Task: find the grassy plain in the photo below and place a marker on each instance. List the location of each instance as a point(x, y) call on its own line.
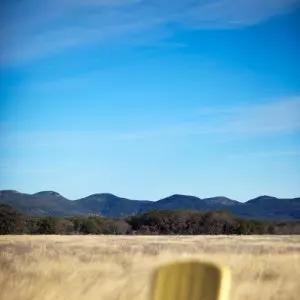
point(119, 267)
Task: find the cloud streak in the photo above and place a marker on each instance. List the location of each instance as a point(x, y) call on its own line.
point(293, 152)
point(248, 122)
point(223, 14)
point(32, 29)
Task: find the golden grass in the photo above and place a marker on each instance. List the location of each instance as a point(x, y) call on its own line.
point(119, 267)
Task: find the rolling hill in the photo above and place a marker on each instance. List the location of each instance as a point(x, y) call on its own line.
point(105, 204)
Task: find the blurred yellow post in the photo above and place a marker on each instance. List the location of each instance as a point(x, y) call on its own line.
point(190, 280)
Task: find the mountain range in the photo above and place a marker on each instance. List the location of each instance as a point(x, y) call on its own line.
point(52, 203)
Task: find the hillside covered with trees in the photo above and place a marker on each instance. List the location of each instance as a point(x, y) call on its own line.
point(50, 203)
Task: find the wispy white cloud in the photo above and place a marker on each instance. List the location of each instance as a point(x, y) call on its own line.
point(276, 116)
point(32, 28)
point(55, 139)
point(231, 14)
point(270, 154)
point(247, 121)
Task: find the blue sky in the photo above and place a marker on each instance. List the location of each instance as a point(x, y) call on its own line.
point(145, 99)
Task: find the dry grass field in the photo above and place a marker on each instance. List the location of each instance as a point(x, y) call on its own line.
point(119, 267)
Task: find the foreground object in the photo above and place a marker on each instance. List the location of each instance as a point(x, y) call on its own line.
point(190, 280)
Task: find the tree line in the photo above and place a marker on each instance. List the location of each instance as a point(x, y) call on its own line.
point(149, 223)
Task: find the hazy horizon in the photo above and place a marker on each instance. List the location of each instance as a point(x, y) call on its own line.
point(145, 99)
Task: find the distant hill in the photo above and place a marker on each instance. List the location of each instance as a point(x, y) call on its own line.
point(109, 205)
point(52, 203)
point(39, 204)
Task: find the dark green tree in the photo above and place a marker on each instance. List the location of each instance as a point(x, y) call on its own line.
point(47, 225)
point(11, 221)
